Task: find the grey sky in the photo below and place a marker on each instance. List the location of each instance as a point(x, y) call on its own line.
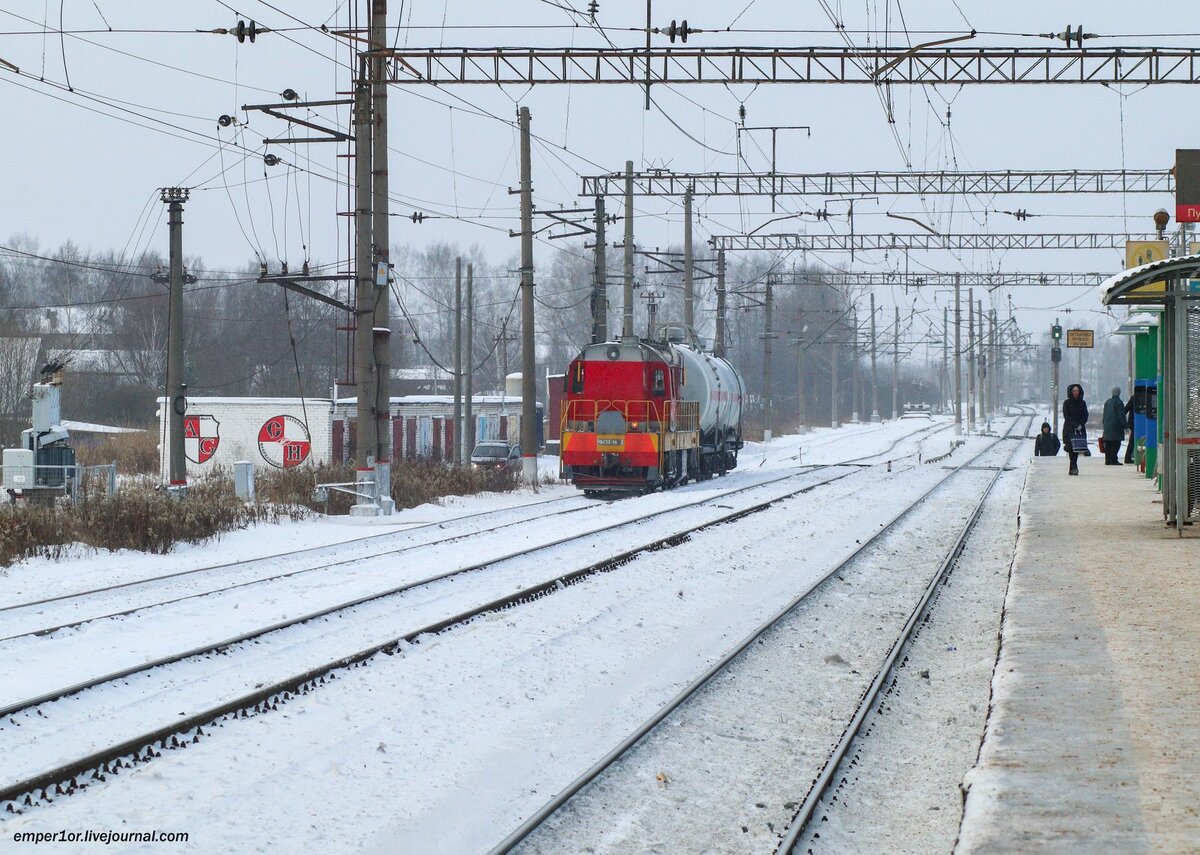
point(71, 174)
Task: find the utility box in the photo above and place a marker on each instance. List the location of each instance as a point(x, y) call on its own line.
point(243, 480)
point(18, 469)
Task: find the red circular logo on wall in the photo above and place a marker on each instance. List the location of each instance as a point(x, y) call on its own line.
point(284, 441)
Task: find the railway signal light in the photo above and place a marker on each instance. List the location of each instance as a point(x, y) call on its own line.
point(1056, 332)
point(1056, 354)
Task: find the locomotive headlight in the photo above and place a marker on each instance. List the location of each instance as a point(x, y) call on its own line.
point(634, 425)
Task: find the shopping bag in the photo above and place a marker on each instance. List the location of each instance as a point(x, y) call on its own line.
point(1079, 442)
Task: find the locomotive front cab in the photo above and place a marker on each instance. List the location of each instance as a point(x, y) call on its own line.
point(622, 417)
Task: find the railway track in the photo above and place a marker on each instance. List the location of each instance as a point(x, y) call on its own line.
point(47, 784)
point(828, 773)
point(12, 615)
point(537, 819)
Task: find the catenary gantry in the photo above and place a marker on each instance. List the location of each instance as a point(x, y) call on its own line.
point(912, 242)
point(916, 183)
point(753, 65)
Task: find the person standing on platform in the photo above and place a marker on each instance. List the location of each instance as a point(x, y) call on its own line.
point(1114, 427)
point(1046, 444)
point(1129, 408)
point(1075, 416)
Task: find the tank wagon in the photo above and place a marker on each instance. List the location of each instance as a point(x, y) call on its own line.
point(640, 415)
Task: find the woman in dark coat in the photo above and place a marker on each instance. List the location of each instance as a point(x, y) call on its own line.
point(1046, 444)
point(1075, 416)
point(1114, 427)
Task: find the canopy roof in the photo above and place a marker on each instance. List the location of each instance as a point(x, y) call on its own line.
point(1147, 283)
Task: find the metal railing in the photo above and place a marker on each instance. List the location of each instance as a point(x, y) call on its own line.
point(56, 480)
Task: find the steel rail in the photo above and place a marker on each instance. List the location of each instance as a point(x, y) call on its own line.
point(819, 787)
point(280, 555)
point(521, 832)
point(63, 778)
point(269, 697)
point(290, 574)
point(400, 550)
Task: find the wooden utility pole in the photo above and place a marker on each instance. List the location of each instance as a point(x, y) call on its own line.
point(529, 448)
point(600, 280)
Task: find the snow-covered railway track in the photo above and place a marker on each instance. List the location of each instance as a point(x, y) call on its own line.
point(837, 757)
point(539, 823)
point(23, 618)
point(77, 755)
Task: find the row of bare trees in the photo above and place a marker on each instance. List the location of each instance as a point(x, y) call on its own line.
point(106, 317)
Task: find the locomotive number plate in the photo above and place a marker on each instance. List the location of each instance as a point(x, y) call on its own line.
point(610, 441)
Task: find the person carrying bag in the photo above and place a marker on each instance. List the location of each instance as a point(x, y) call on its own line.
point(1075, 416)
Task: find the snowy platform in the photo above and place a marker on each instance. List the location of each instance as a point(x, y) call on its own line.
point(1093, 744)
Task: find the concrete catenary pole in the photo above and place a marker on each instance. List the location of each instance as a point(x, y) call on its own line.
point(689, 291)
point(801, 427)
point(600, 280)
point(366, 441)
point(456, 451)
point(874, 372)
point(944, 386)
point(833, 376)
point(1054, 406)
point(970, 359)
point(529, 449)
point(896, 366)
point(627, 296)
point(993, 365)
point(768, 335)
point(469, 367)
point(855, 394)
point(980, 362)
point(958, 413)
point(382, 324)
point(176, 401)
point(719, 343)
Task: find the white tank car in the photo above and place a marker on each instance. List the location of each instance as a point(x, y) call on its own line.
point(718, 387)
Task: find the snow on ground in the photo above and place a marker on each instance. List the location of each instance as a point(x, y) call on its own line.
point(903, 793)
point(725, 772)
point(468, 731)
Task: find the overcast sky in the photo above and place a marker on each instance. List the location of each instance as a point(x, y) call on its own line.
point(71, 173)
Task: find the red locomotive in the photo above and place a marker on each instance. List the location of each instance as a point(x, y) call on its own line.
point(639, 416)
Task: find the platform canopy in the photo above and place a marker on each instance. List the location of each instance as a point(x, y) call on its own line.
point(1148, 283)
point(1138, 323)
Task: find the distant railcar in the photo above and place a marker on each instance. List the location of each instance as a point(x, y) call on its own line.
point(640, 416)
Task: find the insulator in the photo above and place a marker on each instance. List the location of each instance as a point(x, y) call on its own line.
point(225, 121)
point(271, 159)
point(289, 95)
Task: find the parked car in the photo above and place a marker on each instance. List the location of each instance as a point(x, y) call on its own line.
point(495, 454)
